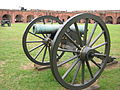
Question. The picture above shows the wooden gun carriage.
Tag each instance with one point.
(76, 52)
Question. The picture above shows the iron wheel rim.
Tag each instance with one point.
(25, 35)
(56, 40)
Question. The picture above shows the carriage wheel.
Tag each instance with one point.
(81, 69)
(37, 47)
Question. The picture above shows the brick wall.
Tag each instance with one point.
(23, 16)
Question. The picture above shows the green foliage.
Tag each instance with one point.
(13, 59)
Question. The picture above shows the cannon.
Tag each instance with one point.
(47, 29)
(3, 22)
(76, 52)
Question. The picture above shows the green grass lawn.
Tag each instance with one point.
(13, 76)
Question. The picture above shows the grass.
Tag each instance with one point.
(110, 80)
(12, 60)
(115, 42)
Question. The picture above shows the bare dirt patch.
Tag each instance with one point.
(40, 67)
(34, 66)
(2, 63)
(114, 65)
(27, 66)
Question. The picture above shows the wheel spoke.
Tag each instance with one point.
(34, 41)
(35, 47)
(85, 31)
(72, 41)
(91, 35)
(36, 35)
(96, 64)
(58, 57)
(99, 54)
(47, 35)
(76, 72)
(44, 54)
(91, 44)
(95, 47)
(69, 70)
(66, 61)
(78, 34)
(83, 72)
(90, 71)
(67, 50)
(61, 54)
(43, 35)
(39, 52)
(49, 50)
(43, 21)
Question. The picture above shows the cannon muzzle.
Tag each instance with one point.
(48, 28)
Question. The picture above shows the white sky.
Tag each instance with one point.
(63, 5)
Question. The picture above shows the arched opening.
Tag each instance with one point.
(68, 17)
(109, 20)
(30, 18)
(58, 17)
(41, 20)
(39, 15)
(63, 20)
(89, 21)
(92, 21)
(82, 21)
(6, 17)
(118, 20)
(19, 18)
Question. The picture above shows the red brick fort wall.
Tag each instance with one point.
(109, 16)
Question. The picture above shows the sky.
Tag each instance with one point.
(62, 5)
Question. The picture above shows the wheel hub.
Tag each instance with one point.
(46, 40)
(86, 53)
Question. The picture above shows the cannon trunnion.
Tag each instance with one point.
(77, 52)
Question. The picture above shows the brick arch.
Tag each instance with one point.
(39, 15)
(57, 17)
(6, 17)
(63, 15)
(109, 19)
(118, 20)
(68, 17)
(30, 18)
(19, 18)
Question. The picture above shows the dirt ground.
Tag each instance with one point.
(39, 67)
